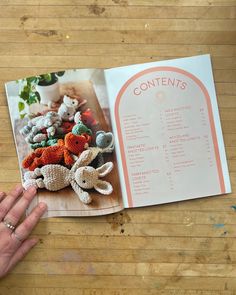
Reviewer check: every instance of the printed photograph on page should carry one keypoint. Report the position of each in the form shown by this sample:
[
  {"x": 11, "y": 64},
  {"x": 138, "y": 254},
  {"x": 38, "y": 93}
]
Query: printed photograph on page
[{"x": 65, "y": 145}]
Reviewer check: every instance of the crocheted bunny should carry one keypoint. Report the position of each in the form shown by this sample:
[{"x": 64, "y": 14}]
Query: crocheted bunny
[
  {"x": 33, "y": 130},
  {"x": 81, "y": 176}
]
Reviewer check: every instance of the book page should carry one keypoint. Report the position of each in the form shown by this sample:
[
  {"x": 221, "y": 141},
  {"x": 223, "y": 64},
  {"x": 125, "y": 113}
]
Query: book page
[
  {"x": 168, "y": 131},
  {"x": 88, "y": 87}
]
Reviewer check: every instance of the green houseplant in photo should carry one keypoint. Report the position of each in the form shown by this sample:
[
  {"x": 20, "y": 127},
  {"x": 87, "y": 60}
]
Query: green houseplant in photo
[{"x": 42, "y": 89}]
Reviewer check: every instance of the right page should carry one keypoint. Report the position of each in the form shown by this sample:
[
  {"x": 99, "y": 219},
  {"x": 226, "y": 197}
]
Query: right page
[{"x": 167, "y": 129}]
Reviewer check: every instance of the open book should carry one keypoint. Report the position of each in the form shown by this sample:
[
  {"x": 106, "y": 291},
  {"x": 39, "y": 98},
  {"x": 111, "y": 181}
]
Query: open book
[{"x": 167, "y": 137}]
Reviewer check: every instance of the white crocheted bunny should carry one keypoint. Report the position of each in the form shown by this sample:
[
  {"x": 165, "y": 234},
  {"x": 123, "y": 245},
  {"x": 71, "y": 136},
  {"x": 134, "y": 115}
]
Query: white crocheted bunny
[{"x": 81, "y": 176}]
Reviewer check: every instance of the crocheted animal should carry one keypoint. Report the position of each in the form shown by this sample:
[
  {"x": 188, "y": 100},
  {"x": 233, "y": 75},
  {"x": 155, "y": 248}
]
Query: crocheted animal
[
  {"x": 63, "y": 129},
  {"x": 104, "y": 144},
  {"x": 105, "y": 140},
  {"x": 44, "y": 143},
  {"x": 68, "y": 108},
  {"x": 73, "y": 90},
  {"x": 61, "y": 153},
  {"x": 88, "y": 119},
  {"x": 80, "y": 128},
  {"x": 71, "y": 102},
  {"x": 48, "y": 122},
  {"x": 81, "y": 176},
  {"x": 66, "y": 113},
  {"x": 77, "y": 117}
]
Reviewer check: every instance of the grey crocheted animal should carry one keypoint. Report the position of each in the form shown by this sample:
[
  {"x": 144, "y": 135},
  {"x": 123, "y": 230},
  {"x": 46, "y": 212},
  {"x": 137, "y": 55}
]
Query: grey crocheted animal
[
  {"x": 105, "y": 140},
  {"x": 81, "y": 176},
  {"x": 32, "y": 131}
]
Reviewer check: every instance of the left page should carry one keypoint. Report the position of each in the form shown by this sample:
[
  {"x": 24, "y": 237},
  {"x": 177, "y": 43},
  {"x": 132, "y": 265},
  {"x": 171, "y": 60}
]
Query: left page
[{"x": 55, "y": 118}]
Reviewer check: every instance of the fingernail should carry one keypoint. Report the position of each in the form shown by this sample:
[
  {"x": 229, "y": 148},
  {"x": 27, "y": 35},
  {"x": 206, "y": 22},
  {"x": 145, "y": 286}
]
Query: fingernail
[
  {"x": 19, "y": 188},
  {"x": 43, "y": 206},
  {"x": 35, "y": 241},
  {"x": 31, "y": 189},
  {"x": 2, "y": 194}
]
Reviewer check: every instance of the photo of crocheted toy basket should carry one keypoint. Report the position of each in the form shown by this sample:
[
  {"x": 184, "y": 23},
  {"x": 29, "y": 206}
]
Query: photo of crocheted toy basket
[{"x": 66, "y": 150}]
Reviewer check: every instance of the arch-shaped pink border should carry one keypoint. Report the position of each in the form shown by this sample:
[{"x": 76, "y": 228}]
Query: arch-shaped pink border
[{"x": 210, "y": 115}]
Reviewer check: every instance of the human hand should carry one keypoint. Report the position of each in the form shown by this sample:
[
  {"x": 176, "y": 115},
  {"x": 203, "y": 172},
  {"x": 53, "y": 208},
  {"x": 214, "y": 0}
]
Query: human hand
[{"x": 14, "y": 242}]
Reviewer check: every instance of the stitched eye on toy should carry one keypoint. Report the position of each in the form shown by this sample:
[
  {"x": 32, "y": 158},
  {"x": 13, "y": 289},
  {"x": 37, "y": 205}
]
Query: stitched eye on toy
[
  {"x": 73, "y": 102},
  {"x": 107, "y": 141},
  {"x": 76, "y": 142},
  {"x": 84, "y": 181},
  {"x": 68, "y": 114}
]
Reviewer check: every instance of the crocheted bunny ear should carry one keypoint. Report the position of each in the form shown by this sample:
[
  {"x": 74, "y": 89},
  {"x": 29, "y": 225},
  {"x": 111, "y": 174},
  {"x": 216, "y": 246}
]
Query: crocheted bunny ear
[
  {"x": 103, "y": 187},
  {"x": 105, "y": 169},
  {"x": 85, "y": 158}
]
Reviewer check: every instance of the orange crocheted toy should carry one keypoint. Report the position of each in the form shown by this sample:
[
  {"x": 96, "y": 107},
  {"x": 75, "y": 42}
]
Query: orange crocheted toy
[{"x": 58, "y": 154}]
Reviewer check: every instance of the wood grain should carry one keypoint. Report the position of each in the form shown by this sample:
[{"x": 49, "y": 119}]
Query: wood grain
[{"x": 175, "y": 249}]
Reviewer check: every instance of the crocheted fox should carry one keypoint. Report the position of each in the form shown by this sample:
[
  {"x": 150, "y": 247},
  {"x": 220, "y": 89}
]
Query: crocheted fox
[{"x": 61, "y": 153}]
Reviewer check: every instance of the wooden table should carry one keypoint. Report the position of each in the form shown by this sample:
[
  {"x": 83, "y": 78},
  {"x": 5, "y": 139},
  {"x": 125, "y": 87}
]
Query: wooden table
[{"x": 181, "y": 248}]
